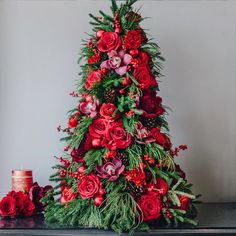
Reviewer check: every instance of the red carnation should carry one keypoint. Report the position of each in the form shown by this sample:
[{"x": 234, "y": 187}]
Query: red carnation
[
  {"x": 109, "y": 41},
  {"x": 89, "y": 186},
  {"x": 143, "y": 76},
  {"x": 67, "y": 195},
  {"x": 107, "y": 111},
  {"x": 8, "y": 207},
  {"x": 93, "y": 77},
  {"x": 133, "y": 39},
  {"x": 151, "y": 206},
  {"x": 151, "y": 104},
  {"x": 137, "y": 176}
]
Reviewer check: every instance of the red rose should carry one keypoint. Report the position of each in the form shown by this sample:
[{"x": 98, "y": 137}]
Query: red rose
[
  {"x": 67, "y": 195},
  {"x": 160, "y": 137},
  {"x": 159, "y": 188},
  {"x": 151, "y": 104},
  {"x": 107, "y": 110},
  {"x": 98, "y": 128},
  {"x": 151, "y": 206},
  {"x": 8, "y": 207},
  {"x": 184, "y": 201},
  {"x": 29, "y": 208},
  {"x": 109, "y": 41},
  {"x": 133, "y": 39},
  {"x": 144, "y": 57},
  {"x": 142, "y": 75},
  {"x": 20, "y": 198},
  {"x": 117, "y": 137},
  {"x": 93, "y": 77},
  {"x": 89, "y": 186}
]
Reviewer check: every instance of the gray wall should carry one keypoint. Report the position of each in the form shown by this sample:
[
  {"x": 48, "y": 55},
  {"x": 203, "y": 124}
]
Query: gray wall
[{"x": 39, "y": 46}]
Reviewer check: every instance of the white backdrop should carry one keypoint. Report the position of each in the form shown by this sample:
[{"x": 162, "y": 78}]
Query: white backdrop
[{"x": 39, "y": 46}]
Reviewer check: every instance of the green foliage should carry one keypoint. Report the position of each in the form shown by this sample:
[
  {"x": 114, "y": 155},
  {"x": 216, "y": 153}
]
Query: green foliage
[
  {"x": 94, "y": 157},
  {"x": 135, "y": 155},
  {"x": 79, "y": 132},
  {"x": 121, "y": 211}
]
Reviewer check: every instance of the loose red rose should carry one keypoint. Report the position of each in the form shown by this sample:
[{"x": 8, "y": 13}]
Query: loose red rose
[
  {"x": 142, "y": 75},
  {"x": 67, "y": 195},
  {"x": 29, "y": 208},
  {"x": 151, "y": 206},
  {"x": 133, "y": 39},
  {"x": 89, "y": 186},
  {"x": 117, "y": 137},
  {"x": 151, "y": 104},
  {"x": 20, "y": 198},
  {"x": 107, "y": 111},
  {"x": 8, "y": 207},
  {"x": 92, "y": 79},
  {"x": 109, "y": 41}
]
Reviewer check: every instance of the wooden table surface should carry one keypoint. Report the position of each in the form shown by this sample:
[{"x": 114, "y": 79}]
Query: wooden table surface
[{"x": 214, "y": 219}]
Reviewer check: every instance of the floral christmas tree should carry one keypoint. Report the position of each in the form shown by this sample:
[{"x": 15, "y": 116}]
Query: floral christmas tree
[{"x": 118, "y": 170}]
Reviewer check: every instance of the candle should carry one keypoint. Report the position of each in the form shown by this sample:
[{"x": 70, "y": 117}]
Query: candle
[{"x": 22, "y": 180}]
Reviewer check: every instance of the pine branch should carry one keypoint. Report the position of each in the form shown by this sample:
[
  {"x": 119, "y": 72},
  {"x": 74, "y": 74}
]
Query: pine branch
[{"x": 114, "y": 7}]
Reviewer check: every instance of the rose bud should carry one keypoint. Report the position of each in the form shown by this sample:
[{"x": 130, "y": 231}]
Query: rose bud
[
  {"x": 99, "y": 33},
  {"x": 81, "y": 169},
  {"x": 72, "y": 122},
  {"x": 134, "y": 52},
  {"x": 126, "y": 81},
  {"x": 122, "y": 91},
  {"x": 101, "y": 192},
  {"x": 96, "y": 142},
  {"x": 98, "y": 201}
]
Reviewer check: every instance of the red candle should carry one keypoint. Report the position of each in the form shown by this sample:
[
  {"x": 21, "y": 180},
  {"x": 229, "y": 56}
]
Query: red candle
[{"x": 22, "y": 180}]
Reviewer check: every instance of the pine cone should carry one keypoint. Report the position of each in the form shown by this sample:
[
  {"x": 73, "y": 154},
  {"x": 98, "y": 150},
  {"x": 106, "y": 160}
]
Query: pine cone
[
  {"x": 123, "y": 157},
  {"x": 150, "y": 122},
  {"x": 136, "y": 191},
  {"x": 109, "y": 95}
]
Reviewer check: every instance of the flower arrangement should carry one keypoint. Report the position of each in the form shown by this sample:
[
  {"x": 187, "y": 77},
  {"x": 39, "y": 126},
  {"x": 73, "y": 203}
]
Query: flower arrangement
[{"x": 119, "y": 168}]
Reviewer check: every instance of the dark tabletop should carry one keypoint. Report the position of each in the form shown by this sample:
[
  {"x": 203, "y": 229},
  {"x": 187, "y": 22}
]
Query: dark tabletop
[{"x": 214, "y": 219}]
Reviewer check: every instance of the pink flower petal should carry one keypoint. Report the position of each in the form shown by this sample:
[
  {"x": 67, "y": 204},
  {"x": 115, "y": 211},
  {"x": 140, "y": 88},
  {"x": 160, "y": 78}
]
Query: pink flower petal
[
  {"x": 127, "y": 59},
  {"x": 112, "y": 53},
  {"x": 105, "y": 64},
  {"x": 121, "y": 53},
  {"x": 121, "y": 70}
]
